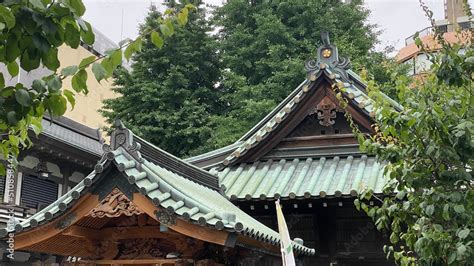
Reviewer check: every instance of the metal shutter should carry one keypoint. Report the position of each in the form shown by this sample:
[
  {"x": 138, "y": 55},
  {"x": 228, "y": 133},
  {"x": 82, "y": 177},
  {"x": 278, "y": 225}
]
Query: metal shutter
[
  {"x": 2, "y": 187},
  {"x": 36, "y": 191}
]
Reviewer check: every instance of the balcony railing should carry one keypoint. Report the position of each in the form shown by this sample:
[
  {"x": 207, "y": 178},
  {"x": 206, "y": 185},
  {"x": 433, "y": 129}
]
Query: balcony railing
[{"x": 441, "y": 28}]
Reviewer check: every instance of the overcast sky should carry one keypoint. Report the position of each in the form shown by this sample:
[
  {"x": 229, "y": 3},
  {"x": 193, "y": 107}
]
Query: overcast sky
[{"x": 398, "y": 19}]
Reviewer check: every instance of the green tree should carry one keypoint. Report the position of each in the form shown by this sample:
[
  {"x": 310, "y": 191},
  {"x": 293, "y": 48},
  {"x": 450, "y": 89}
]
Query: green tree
[
  {"x": 170, "y": 94},
  {"x": 428, "y": 204},
  {"x": 264, "y": 45},
  {"x": 30, "y": 33}
]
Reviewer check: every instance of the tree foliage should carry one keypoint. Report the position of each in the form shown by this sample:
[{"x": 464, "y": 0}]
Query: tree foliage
[
  {"x": 428, "y": 203},
  {"x": 31, "y": 33},
  {"x": 170, "y": 94},
  {"x": 264, "y": 45}
]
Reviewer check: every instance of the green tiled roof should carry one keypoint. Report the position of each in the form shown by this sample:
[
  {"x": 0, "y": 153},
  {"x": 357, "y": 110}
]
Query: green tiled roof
[
  {"x": 183, "y": 197},
  {"x": 303, "y": 178}
]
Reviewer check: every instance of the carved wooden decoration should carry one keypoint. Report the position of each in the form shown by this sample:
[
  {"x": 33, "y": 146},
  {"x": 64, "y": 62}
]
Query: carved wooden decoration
[
  {"x": 326, "y": 111},
  {"x": 106, "y": 249},
  {"x": 144, "y": 249},
  {"x": 115, "y": 205}
]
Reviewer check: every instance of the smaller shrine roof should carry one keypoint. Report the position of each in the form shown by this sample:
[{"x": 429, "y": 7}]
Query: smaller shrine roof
[
  {"x": 167, "y": 188},
  {"x": 299, "y": 178}
]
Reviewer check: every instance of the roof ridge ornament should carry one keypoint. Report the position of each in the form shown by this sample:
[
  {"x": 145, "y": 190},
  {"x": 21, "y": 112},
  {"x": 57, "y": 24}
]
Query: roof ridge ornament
[
  {"x": 328, "y": 56},
  {"x": 123, "y": 137}
]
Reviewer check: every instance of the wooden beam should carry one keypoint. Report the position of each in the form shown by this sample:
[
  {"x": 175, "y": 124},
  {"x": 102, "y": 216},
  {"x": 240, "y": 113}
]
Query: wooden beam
[
  {"x": 136, "y": 261},
  {"x": 117, "y": 233},
  {"x": 50, "y": 229},
  {"x": 194, "y": 231}
]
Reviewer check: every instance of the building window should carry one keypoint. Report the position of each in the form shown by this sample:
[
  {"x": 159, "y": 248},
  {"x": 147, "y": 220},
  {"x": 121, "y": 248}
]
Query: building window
[{"x": 37, "y": 193}]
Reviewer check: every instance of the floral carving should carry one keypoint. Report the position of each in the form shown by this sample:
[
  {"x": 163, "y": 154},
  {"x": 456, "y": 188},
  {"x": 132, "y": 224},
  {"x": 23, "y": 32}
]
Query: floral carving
[
  {"x": 326, "y": 111},
  {"x": 115, "y": 205},
  {"x": 165, "y": 218}
]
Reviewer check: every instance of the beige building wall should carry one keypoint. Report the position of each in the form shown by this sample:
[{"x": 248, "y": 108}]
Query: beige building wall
[{"x": 87, "y": 106}]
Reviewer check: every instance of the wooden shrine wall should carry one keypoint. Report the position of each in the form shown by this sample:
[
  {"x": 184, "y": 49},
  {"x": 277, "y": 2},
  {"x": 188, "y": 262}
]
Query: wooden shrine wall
[{"x": 338, "y": 233}]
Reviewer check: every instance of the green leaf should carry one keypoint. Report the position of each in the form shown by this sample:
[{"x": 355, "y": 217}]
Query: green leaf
[
  {"x": 39, "y": 85},
  {"x": 461, "y": 250},
  {"x": 79, "y": 81},
  {"x": 357, "y": 204},
  {"x": 429, "y": 210},
  {"x": 418, "y": 42},
  {"x": 54, "y": 83},
  {"x": 459, "y": 208},
  {"x": 57, "y": 104},
  {"x": 50, "y": 59},
  {"x": 116, "y": 57},
  {"x": 11, "y": 118},
  {"x": 37, "y": 4},
  {"x": 29, "y": 62},
  {"x": 12, "y": 50},
  {"x": 401, "y": 195},
  {"x": 70, "y": 97},
  {"x": 2, "y": 80},
  {"x": 69, "y": 71},
  {"x": 135, "y": 46},
  {"x": 78, "y": 7},
  {"x": 40, "y": 43},
  {"x": 446, "y": 212},
  {"x": 107, "y": 65},
  {"x": 464, "y": 233},
  {"x": 393, "y": 238},
  {"x": 23, "y": 97},
  {"x": 99, "y": 71},
  {"x": 7, "y": 16},
  {"x": 14, "y": 140},
  {"x": 87, "y": 35},
  {"x": 72, "y": 36},
  {"x": 13, "y": 68},
  {"x": 156, "y": 39},
  {"x": 87, "y": 61},
  {"x": 452, "y": 257},
  {"x": 166, "y": 30},
  {"x": 36, "y": 125},
  {"x": 182, "y": 18}
]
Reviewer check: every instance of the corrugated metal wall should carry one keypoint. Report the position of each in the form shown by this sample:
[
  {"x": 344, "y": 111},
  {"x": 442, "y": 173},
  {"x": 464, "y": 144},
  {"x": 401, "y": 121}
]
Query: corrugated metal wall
[{"x": 36, "y": 191}]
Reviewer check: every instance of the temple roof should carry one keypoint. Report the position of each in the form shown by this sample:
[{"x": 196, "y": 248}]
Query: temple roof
[
  {"x": 299, "y": 178},
  {"x": 178, "y": 196},
  {"x": 73, "y": 134},
  {"x": 255, "y": 167},
  {"x": 333, "y": 69}
]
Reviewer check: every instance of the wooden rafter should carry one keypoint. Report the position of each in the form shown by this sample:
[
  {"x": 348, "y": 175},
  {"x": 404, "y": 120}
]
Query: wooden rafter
[
  {"x": 185, "y": 228},
  {"x": 51, "y": 229}
]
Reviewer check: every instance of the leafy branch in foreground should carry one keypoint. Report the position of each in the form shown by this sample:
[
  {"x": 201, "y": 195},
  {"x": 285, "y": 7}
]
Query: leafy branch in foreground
[
  {"x": 31, "y": 33},
  {"x": 428, "y": 202}
]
